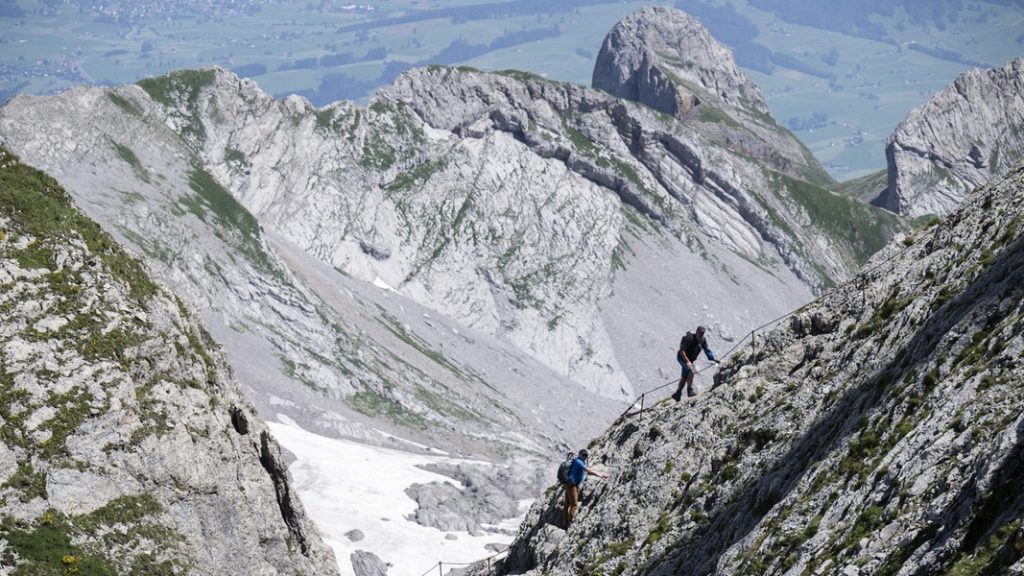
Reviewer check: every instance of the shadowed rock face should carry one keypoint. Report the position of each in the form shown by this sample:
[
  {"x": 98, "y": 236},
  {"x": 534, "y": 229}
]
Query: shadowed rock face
[
  {"x": 876, "y": 431},
  {"x": 665, "y": 59},
  {"x": 971, "y": 131},
  {"x": 127, "y": 446}
]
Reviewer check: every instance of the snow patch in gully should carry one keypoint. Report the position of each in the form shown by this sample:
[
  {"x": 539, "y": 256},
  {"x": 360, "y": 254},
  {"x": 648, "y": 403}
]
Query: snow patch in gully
[{"x": 345, "y": 485}]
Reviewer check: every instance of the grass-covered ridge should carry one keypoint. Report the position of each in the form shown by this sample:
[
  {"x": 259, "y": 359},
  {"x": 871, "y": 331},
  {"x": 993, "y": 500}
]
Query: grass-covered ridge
[
  {"x": 865, "y": 228},
  {"x": 866, "y": 187},
  {"x": 179, "y": 91},
  {"x": 178, "y": 86},
  {"x": 74, "y": 274},
  {"x": 213, "y": 204},
  {"x": 37, "y": 206}
]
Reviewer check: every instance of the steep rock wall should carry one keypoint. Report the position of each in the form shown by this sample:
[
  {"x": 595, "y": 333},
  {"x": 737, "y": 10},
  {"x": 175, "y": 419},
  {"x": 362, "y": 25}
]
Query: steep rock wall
[
  {"x": 664, "y": 58},
  {"x": 127, "y": 446},
  {"x": 876, "y": 431}
]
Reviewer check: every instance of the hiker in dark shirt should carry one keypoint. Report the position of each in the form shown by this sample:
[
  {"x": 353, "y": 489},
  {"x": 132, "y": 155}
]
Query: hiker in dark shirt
[
  {"x": 577, "y": 474},
  {"x": 689, "y": 347}
]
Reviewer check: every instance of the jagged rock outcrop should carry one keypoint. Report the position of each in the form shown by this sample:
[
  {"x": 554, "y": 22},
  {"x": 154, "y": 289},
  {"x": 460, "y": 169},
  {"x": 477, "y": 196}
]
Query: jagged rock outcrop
[
  {"x": 481, "y": 495},
  {"x": 368, "y": 564},
  {"x": 878, "y": 430},
  {"x": 664, "y": 58},
  {"x": 965, "y": 135},
  {"x": 652, "y": 55},
  {"x": 126, "y": 444}
]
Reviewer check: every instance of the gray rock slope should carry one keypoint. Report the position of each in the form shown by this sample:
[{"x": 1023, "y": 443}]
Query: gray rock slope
[
  {"x": 335, "y": 353},
  {"x": 508, "y": 217},
  {"x": 966, "y": 134},
  {"x": 664, "y": 58},
  {"x": 877, "y": 431},
  {"x": 126, "y": 444}
]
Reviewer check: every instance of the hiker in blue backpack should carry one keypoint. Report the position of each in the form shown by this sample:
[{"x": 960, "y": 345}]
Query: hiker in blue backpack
[
  {"x": 577, "y": 474},
  {"x": 689, "y": 347}
]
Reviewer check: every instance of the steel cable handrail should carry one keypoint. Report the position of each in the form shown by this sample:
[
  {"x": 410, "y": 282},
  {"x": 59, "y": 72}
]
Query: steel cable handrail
[
  {"x": 441, "y": 563},
  {"x": 859, "y": 285}
]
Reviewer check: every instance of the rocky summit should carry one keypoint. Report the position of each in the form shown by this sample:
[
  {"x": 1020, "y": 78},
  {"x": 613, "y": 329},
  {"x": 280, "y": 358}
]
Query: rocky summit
[
  {"x": 971, "y": 131},
  {"x": 126, "y": 444},
  {"x": 664, "y": 58},
  {"x": 877, "y": 430}
]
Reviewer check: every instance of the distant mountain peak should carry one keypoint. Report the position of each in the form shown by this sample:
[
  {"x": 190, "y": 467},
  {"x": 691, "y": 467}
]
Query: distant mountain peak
[{"x": 666, "y": 59}]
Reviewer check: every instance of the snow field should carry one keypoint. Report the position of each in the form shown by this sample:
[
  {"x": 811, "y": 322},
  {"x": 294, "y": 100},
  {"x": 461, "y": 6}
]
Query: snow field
[{"x": 345, "y": 485}]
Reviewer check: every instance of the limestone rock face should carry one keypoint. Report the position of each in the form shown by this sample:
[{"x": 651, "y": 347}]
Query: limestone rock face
[
  {"x": 306, "y": 340},
  {"x": 484, "y": 262},
  {"x": 530, "y": 212},
  {"x": 126, "y": 442},
  {"x": 971, "y": 131},
  {"x": 664, "y": 58},
  {"x": 876, "y": 431}
]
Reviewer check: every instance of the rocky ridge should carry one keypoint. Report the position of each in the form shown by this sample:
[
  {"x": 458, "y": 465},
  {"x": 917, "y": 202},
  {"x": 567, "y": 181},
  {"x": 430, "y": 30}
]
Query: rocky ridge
[
  {"x": 513, "y": 204},
  {"x": 968, "y": 133},
  {"x": 307, "y": 341},
  {"x": 337, "y": 355},
  {"x": 503, "y": 200},
  {"x": 126, "y": 445},
  {"x": 876, "y": 431},
  {"x": 434, "y": 264}
]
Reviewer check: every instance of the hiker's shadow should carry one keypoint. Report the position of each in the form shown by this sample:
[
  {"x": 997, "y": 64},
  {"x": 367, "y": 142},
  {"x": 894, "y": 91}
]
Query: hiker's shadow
[{"x": 554, "y": 512}]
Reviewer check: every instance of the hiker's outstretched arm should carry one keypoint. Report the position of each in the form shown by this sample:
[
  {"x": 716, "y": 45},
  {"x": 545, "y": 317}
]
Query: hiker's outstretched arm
[{"x": 709, "y": 353}]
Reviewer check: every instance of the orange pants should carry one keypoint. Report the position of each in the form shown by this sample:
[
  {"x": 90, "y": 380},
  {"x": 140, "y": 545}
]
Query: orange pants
[{"x": 572, "y": 503}]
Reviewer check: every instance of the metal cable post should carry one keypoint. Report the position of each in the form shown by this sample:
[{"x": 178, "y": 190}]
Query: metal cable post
[
  {"x": 861, "y": 285},
  {"x": 753, "y": 349}
]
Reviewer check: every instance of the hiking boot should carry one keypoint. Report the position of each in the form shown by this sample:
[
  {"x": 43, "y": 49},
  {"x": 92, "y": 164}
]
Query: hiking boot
[
  {"x": 690, "y": 393},
  {"x": 677, "y": 396}
]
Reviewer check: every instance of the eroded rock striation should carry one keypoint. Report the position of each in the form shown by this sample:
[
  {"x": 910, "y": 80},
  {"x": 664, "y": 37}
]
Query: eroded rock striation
[
  {"x": 876, "y": 431},
  {"x": 126, "y": 445},
  {"x": 968, "y": 133},
  {"x": 516, "y": 205}
]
